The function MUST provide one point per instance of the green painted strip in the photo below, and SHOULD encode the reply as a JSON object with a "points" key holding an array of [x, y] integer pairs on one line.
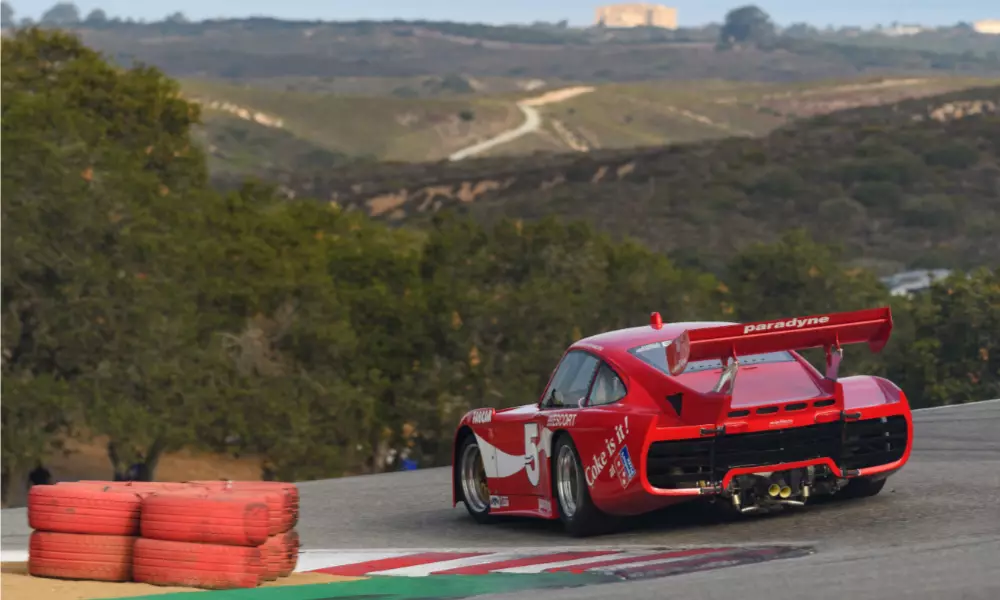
{"points": [[435, 587]]}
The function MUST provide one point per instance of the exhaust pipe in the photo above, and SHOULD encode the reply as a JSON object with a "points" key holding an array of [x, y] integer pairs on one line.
{"points": [[785, 492], [774, 490]]}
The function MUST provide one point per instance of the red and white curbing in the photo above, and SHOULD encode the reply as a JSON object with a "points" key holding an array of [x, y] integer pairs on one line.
{"points": [[424, 562]]}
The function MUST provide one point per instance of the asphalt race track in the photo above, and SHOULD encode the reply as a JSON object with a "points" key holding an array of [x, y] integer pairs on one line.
{"points": [[933, 533]]}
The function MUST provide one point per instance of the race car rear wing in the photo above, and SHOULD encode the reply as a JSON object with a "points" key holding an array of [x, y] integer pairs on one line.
{"points": [[831, 332]]}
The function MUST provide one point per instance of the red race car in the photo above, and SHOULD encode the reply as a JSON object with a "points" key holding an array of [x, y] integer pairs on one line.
{"points": [[637, 419]]}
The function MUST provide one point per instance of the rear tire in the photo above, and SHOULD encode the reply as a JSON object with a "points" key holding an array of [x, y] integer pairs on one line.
{"points": [[861, 487], [471, 476], [577, 511]]}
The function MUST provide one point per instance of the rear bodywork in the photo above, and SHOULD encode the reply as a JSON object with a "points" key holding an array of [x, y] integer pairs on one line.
{"points": [[718, 410]]}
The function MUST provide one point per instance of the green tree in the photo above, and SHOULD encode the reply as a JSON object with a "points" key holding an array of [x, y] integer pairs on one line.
{"points": [[7, 15], [954, 354], [796, 277], [63, 14], [96, 17], [37, 415], [97, 201], [746, 25]]}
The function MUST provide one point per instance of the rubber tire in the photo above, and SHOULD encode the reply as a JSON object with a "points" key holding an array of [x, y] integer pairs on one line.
{"points": [[143, 487], [84, 509], [288, 493], [588, 520], [861, 487], [80, 556], [273, 555], [206, 566], [291, 550], [227, 518], [483, 518]]}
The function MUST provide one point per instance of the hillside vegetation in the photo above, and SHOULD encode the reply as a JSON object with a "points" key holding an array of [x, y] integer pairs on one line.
{"points": [[263, 48], [387, 128], [657, 113], [913, 183], [286, 129], [147, 309]]}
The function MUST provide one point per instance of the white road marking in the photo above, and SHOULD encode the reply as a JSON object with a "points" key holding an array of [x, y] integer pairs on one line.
{"points": [[311, 560], [13, 556], [427, 569], [661, 561], [578, 561]]}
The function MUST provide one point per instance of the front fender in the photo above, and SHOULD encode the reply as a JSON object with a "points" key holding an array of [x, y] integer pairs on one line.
{"points": [[478, 415]]}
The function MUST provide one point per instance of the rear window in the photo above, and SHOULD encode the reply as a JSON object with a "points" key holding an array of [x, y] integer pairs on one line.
{"points": [[654, 354]]}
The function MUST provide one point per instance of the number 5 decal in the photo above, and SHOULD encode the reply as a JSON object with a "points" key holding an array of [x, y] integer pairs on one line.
{"points": [[531, 452]]}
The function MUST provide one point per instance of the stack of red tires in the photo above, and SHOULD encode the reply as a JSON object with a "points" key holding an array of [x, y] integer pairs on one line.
{"points": [[202, 534]]}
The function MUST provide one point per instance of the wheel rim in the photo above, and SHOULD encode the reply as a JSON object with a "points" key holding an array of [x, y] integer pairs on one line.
{"points": [[477, 491], [568, 481]]}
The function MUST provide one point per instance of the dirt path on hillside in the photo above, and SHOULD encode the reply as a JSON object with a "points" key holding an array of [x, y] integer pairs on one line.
{"points": [[532, 120]]}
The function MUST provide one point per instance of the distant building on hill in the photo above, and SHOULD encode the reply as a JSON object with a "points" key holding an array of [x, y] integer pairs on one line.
{"points": [[637, 15], [910, 282], [901, 29], [990, 26]]}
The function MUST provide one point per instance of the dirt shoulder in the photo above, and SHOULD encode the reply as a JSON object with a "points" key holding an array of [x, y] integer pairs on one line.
{"points": [[15, 584]]}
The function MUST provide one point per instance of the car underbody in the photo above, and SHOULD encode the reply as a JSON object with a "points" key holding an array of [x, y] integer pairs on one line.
{"points": [[768, 491]]}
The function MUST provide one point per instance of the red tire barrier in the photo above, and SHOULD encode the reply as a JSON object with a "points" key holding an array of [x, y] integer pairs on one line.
{"points": [[80, 556], [208, 566], [273, 553], [289, 493], [206, 517], [143, 486], [83, 509], [291, 553]]}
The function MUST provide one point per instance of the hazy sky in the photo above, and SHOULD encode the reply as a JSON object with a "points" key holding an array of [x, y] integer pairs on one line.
{"points": [[578, 12]]}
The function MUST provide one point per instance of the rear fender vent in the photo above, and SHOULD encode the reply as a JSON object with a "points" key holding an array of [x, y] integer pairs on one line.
{"points": [[767, 410], [795, 406]]}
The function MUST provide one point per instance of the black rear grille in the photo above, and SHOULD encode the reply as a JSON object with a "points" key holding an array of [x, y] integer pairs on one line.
{"points": [[871, 442], [852, 445]]}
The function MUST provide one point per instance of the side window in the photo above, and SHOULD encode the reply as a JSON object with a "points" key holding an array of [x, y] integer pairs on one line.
{"points": [[571, 381], [608, 387]]}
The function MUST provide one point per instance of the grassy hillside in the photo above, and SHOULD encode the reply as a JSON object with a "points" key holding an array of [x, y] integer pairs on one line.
{"points": [[424, 86], [237, 147], [264, 48], [255, 129], [907, 184], [389, 128], [652, 113]]}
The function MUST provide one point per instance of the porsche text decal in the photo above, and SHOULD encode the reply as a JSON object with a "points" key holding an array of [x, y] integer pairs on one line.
{"points": [[796, 323]]}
